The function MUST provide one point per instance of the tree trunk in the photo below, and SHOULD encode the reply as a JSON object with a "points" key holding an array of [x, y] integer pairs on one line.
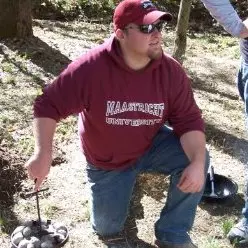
{"points": [[15, 18], [181, 30]]}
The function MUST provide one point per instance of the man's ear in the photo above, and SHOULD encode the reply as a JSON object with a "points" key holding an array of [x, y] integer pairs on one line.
{"points": [[119, 33]]}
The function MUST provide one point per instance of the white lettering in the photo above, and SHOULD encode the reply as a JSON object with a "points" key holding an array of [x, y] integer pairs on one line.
{"points": [[116, 107], [133, 122], [110, 107]]}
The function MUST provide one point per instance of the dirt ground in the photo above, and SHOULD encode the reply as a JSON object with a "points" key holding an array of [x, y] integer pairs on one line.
{"points": [[212, 67]]}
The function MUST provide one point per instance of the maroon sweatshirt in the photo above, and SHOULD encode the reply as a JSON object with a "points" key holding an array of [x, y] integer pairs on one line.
{"points": [[120, 109]]}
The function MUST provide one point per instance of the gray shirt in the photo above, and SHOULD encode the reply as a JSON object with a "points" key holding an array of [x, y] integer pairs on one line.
{"points": [[224, 13]]}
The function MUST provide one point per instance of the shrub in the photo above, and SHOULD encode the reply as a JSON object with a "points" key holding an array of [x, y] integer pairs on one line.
{"points": [[103, 10]]}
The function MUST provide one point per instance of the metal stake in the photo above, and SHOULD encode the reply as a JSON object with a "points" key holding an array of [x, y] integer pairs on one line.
{"points": [[213, 194], [38, 210]]}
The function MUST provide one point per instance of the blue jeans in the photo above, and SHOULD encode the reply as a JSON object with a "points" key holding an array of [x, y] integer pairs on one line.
{"points": [[242, 83], [111, 191]]}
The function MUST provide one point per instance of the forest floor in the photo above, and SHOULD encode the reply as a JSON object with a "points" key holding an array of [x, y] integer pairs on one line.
{"points": [[27, 65]]}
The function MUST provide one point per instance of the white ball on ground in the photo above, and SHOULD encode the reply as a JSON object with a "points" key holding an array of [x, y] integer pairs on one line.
{"points": [[47, 244], [48, 237], [23, 243], [17, 238], [30, 245], [18, 229], [35, 241], [27, 232]]}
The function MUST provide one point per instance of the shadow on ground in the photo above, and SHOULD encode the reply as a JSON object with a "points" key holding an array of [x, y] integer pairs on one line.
{"points": [[47, 58], [72, 31], [201, 85], [228, 143], [230, 206], [12, 175], [153, 185]]}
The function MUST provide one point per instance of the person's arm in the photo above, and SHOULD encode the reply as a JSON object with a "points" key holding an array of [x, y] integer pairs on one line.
{"points": [[59, 100], [187, 123], [192, 179], [63, 97], [224, 13], [38, 166]]}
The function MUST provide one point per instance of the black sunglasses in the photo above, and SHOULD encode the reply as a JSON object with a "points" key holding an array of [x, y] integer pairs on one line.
{"points": [[149, 28]]}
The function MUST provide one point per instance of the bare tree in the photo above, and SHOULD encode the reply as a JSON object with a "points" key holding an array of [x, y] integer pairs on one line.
{"points": [[181, 30], [15, 18]]}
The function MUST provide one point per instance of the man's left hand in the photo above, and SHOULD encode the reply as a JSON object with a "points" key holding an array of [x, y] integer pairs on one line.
{"points": [[244, 31], [192, 179]]}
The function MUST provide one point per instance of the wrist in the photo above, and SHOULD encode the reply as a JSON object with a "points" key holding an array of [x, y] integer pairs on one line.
{"points": [[244, 32], [198, 162], [43, 153]]}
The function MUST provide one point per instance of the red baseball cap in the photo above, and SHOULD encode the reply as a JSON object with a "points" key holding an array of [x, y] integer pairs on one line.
{"points": [[140, 12]]}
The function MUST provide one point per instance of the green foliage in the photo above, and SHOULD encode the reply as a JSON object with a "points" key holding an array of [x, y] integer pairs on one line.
{"points": [[103, 9], [227, 225], [62, 5], [211, 243], [94, 7], [86, 8], [50, 210], [74, 8], [26, 144], [7, 67], [66, 128], [3, 222]]}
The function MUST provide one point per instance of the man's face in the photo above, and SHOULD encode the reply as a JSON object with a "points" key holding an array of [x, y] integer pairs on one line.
{"points": [[144, 40]]}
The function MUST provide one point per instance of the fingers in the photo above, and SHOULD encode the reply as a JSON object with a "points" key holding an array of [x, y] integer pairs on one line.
{"points": [[38, 182], [38, 167], [187, 186]]}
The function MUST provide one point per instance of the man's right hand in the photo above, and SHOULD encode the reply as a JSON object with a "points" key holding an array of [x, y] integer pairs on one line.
{"points": [[38, 167]]}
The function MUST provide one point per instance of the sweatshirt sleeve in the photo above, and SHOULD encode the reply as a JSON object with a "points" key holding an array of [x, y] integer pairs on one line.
{"points": [[184, 114], [224, 13], [65, 96]]}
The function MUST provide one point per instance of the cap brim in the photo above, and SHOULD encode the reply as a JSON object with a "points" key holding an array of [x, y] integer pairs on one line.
{"points": [[154, 16]]}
